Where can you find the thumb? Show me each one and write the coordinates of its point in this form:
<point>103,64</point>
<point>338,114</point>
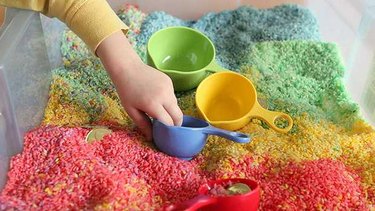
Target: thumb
<point>142,121</point>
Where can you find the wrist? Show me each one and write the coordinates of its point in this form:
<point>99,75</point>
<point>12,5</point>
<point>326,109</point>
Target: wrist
<point>117,55</point>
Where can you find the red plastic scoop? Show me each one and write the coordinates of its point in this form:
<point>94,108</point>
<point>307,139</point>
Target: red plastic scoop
<point>219,202</point>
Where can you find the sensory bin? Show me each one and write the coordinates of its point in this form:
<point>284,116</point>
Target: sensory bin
<point>325,162</point>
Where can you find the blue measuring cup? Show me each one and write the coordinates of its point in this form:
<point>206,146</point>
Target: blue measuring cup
<point>188,140</point>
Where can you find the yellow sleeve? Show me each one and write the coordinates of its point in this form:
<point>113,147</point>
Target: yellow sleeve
<point>91,20</point>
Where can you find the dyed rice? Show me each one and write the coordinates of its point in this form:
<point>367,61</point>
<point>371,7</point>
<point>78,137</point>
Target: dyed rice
<point>121,171</point>
<point>325,162</point>
<point>243,27</point>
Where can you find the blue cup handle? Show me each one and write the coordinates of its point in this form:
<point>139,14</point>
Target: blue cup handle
<point>231,135</point>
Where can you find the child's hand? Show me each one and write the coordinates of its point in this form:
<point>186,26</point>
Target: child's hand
<point>142,89</point>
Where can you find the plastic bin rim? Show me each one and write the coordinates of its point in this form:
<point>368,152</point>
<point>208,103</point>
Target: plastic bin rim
<point>13,33</point>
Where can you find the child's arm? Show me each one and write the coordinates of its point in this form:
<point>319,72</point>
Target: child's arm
<point>91,20</point>
<point>142,89</point>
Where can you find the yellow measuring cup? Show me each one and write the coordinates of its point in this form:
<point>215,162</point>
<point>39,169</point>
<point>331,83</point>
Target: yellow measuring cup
<point>228,100</point>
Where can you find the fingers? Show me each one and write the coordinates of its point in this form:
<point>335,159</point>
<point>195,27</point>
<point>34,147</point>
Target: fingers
<point>170,115</point>
<point>159,112</point>
<point>142,121</point>
<point>175,113</point>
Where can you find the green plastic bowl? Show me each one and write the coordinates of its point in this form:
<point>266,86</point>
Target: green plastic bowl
<point>184,54</point>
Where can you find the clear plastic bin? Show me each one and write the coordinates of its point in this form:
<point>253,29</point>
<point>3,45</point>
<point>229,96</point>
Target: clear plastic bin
<point>360,77</point>
<point>28,52</point>
<point>2,15</point>
<point>24,81</point>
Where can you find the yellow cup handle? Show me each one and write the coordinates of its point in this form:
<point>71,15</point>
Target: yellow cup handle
<point>270,117</point>
<point>214,67</point>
